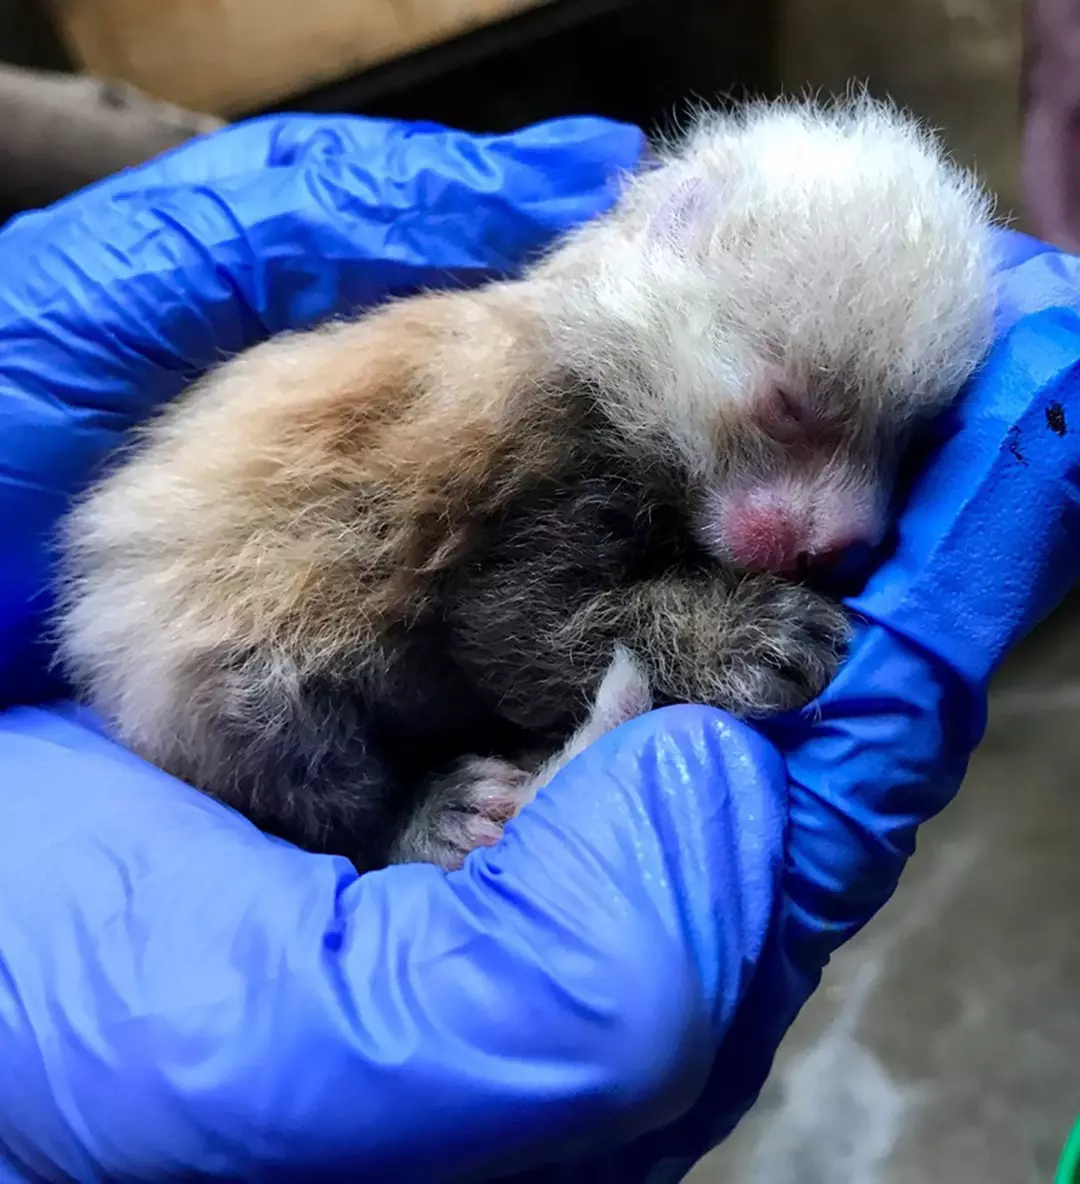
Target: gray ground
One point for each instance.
(944, 1047)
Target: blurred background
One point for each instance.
(944, 1047)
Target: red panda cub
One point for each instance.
(375, 583)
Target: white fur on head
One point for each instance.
(831, 252)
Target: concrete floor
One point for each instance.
(944, 1046)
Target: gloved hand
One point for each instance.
(985, 548)
(605, 988)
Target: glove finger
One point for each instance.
(572, 161)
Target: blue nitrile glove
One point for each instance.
(987, 546)
(181, 996)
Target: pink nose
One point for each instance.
(771, 536)
(765, 536)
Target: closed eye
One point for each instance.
(782, 416)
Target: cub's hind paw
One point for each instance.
(466, 809)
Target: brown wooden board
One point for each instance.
(227, 56)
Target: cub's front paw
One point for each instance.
(786, 647)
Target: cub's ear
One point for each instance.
(681, 212)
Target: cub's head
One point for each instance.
(775, 307)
